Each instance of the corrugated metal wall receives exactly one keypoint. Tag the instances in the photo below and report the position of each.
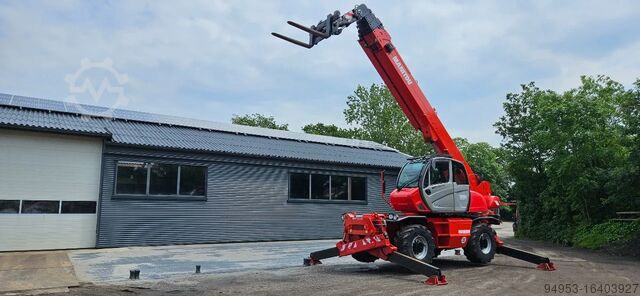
(246, 201)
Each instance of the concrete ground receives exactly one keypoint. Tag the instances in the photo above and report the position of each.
(157, 263)
(20, 271)
(274, 269)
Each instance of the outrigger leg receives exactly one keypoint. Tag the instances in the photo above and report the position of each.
(315, 257)
(543, 262)
(435, 275)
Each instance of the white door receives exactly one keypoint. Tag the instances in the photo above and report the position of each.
(49, 188)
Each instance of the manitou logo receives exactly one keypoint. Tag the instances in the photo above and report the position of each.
(402, 70)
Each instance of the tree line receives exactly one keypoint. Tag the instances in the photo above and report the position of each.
(573, 157)
(570, 159)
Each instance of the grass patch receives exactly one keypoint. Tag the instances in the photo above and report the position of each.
(601, 235)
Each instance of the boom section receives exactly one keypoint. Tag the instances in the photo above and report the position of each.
(376, 43)
(396, 74)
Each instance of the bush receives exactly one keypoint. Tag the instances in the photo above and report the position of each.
(600, 235)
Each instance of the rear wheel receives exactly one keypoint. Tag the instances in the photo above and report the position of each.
(364, 257)
(482, 244)
(416, 242)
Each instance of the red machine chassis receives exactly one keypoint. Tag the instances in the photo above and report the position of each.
(368, 233)
(373, 234)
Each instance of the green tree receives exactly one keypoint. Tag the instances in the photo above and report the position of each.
(259, 120)
(624, 184)
(488, 162)
(329, 130)
(377, 117)
(561, 150)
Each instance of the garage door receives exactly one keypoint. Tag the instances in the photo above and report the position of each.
(49, 188)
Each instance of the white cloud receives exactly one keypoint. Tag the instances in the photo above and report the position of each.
(211, 59)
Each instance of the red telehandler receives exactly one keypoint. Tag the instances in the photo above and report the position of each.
(442, 203)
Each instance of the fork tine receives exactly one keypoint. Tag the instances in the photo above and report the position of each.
(294, 41)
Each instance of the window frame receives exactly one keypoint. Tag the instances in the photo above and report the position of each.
(146, 196)
(309, 198)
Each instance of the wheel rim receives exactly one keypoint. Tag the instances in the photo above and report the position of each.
(419, 247)
(485, 243)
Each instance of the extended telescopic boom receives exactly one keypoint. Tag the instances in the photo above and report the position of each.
(376, 43)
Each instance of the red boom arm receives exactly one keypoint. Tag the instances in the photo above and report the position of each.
(404, 88)
(376, 43)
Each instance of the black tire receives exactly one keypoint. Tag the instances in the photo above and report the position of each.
(437, 253)
(416, 241)
(482, 244)
(364, 257)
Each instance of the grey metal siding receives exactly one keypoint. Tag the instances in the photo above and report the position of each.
(246, 201)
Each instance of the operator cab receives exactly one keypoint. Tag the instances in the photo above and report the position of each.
(442, 182)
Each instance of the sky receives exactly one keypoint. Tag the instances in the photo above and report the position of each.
(212, 59)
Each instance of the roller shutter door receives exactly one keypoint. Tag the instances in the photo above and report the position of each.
(49, 186)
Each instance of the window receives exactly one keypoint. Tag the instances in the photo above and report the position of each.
(132, 178)
(164, 179)
(9, 206)
(47, 207)
(304, 186)
(299, 185)
(340, 187)
(320, 186)
(439, 172)
(192, 180)
(156, 179)
(459, 174)
(410, 175)
(358, 188)
(78, 207)
(40, 206)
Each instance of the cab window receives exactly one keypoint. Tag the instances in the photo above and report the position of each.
(439, 172)
(410, 175)
(459, 174)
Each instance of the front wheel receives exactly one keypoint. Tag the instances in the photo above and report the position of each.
(482, 244)
(416, 242)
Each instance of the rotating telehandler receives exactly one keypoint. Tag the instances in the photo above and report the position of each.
(441, 203)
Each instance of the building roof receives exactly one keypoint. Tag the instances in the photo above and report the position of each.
(153, 130)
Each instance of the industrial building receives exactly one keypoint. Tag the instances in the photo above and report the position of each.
(80, 176)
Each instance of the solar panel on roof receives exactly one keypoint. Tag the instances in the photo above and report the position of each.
(5, 99)
(88, 110)
(59, 106)
(37, 104)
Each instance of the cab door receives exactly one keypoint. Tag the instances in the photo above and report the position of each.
(438, 187)
(460, 187)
